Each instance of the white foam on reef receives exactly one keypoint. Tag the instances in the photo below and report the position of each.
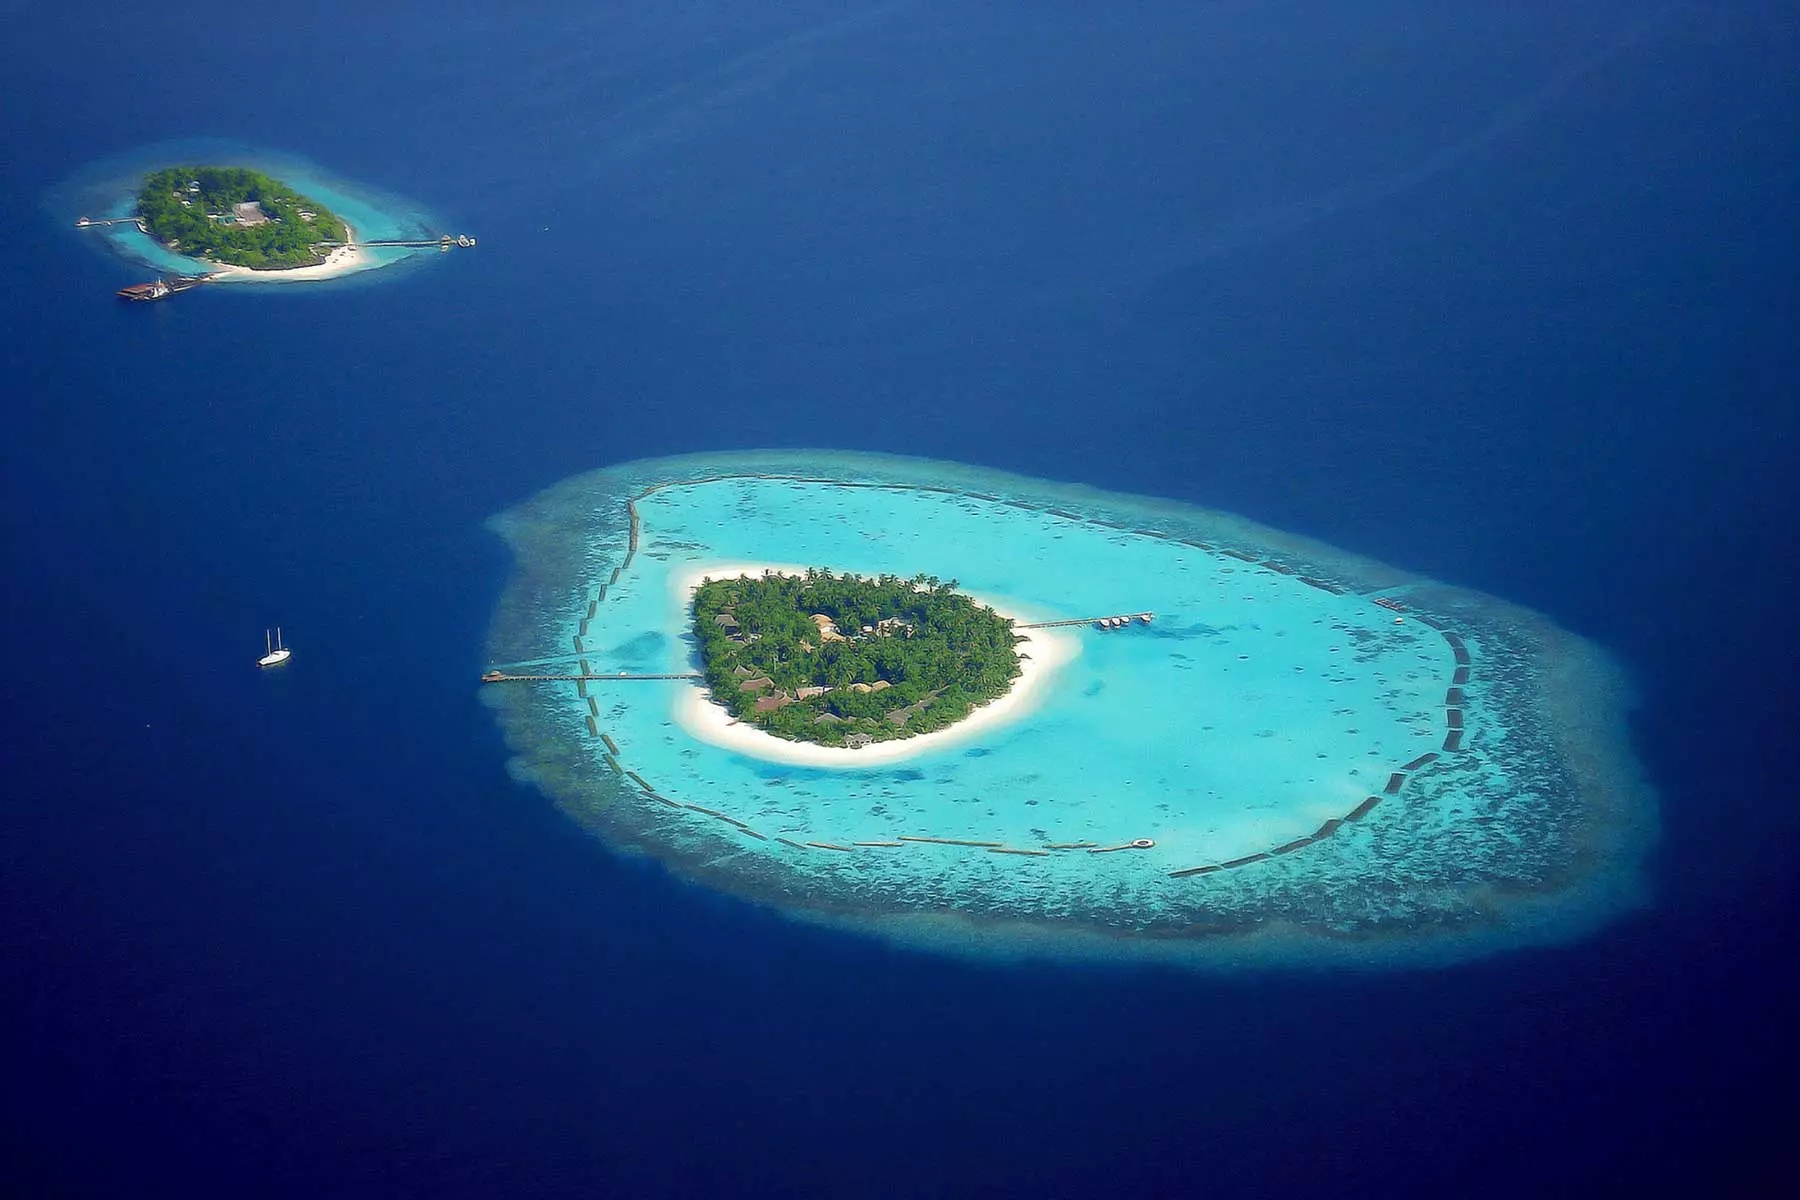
(109, 189)
(1041, 652)
(1270, 698)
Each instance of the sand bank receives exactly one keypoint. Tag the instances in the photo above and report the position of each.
(342, 261)
(1040, 655)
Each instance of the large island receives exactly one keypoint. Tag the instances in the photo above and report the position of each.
(238, 217)
(845, 660)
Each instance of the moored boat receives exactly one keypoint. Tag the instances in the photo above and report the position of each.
(277, 653)
(156, 289)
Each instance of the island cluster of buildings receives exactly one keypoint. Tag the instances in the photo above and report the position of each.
(777, 698)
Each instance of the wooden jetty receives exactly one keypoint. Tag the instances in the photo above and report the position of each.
(161, 289)
(1116, 621)
(443, 242)
(618, 677)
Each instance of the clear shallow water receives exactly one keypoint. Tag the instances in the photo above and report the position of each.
(1296, 752)
(108, 189)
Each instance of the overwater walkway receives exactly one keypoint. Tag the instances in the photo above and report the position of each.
(617, 677)
(500, 675)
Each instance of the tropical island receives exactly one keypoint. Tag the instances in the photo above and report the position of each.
(1310, 757)
(846, 660)
(237, 216)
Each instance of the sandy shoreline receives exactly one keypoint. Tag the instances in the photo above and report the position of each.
(1040, 655)
(342, 261)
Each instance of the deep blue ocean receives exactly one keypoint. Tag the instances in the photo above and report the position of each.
(1501, 294)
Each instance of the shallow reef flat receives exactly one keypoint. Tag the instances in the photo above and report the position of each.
(1306, 757)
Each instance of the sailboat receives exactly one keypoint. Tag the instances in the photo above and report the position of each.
(277, 653)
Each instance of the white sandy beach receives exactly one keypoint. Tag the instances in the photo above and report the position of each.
(1040, 655)
(342, 261)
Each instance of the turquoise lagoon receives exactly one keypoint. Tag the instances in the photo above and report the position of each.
(1323, 777)
(108, 190)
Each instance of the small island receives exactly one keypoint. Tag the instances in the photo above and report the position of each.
(239, 217)
(846, 660)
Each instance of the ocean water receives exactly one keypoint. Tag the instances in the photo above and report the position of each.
(1499, 298)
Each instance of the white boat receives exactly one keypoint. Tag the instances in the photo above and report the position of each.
(277, 653)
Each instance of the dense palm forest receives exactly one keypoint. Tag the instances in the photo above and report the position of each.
(844, 659)
(189, 209)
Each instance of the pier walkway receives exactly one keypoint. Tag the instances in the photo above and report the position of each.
(1116, 621)
(496, 675)
(442, 243)
(503, 677)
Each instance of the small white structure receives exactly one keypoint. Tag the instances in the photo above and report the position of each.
(276, 652)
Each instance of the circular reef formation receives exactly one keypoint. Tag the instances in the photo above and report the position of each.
(1304, 757)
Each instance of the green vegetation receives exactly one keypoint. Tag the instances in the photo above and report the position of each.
(193, 210)
(843, 659)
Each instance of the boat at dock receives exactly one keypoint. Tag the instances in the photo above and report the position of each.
(158, 289)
